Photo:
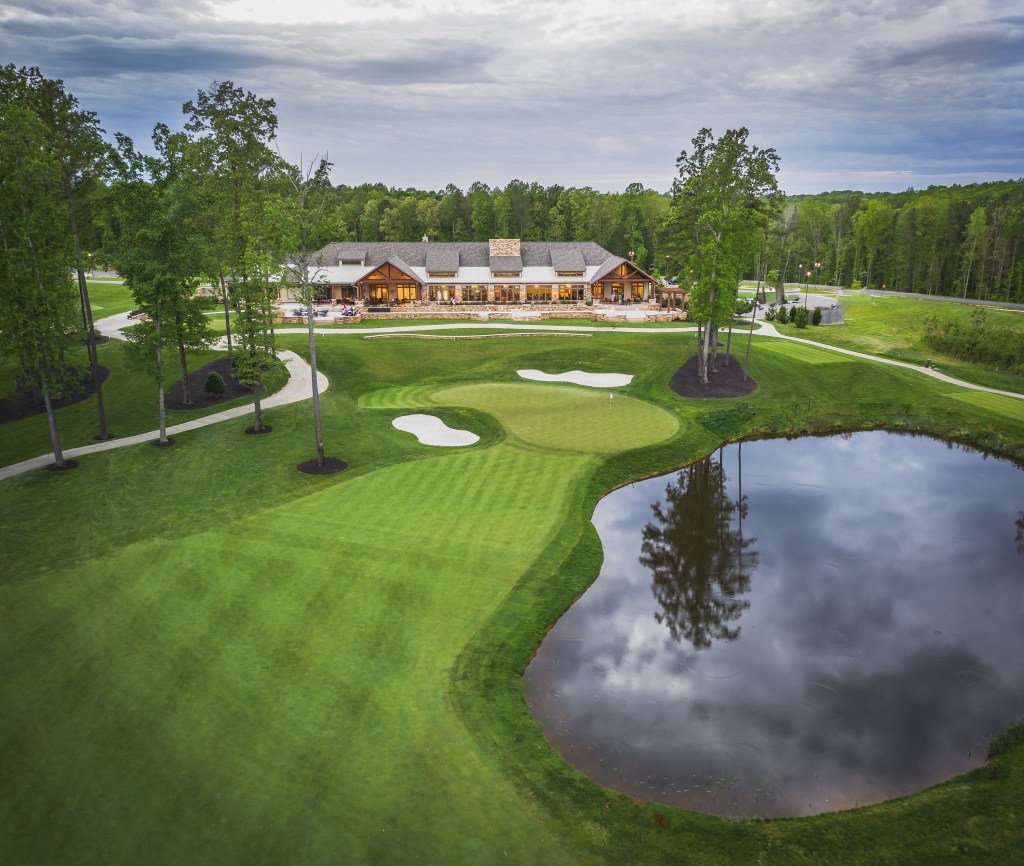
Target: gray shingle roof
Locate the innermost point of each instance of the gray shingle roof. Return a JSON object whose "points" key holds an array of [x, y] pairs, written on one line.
{"points": [[448, 256], [442, 258], [567, 260], [506, 264]]}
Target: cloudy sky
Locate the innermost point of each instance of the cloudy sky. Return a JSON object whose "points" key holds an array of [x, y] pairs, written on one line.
{"points": [[859, 94]]}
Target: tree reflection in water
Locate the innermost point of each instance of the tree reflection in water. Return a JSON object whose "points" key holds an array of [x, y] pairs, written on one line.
{"points": [[700, 561]]}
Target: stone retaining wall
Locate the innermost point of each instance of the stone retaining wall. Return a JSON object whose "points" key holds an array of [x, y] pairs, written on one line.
{"points": [[628, 313]]}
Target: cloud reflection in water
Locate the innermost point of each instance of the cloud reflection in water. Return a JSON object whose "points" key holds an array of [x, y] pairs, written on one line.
{"points": [[868, 645]]}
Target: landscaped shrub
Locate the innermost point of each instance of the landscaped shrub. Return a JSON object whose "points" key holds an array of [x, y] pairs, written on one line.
{"points": [[783, 316], [1007, 740], [800, 317], [771, 314], [816, 316], [214, 385], [977, 341]]}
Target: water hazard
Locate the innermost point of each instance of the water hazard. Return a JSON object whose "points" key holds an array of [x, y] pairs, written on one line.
{"points": [[794, 627]]}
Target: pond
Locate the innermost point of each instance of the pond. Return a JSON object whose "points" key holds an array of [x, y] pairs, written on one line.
{"points": [[791, 627]]}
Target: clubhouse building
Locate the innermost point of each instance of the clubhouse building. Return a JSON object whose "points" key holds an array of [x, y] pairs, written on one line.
{"points": [[497, 272]]}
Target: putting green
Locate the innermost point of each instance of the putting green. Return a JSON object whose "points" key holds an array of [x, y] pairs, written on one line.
{"points": [[566, 418]]}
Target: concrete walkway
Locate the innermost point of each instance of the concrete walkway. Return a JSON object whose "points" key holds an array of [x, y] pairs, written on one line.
{"points": [[300, 382], [767, 329], [298, 387]]}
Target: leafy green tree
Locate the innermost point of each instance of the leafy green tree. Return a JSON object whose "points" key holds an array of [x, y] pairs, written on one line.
{"points": [[37, 298], [722, 199], [482, 209], [236, 130], [298, 213], [73, 137], [158, 252], [871, 226], [974, 248], [840, 232]]}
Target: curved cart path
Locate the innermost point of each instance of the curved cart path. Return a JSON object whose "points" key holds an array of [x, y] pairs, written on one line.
{"points": [[298, 387], [300, 380]]}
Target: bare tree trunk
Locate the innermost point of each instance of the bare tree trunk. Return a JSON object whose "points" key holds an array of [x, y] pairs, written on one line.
{"points": [[750, 338], [162, 410], [90, 336], [257, 408], [51, 420], [700, 354], [318, 430], [186, 389], [161, 404], [711, 341], [224, 297], [705, 351]]}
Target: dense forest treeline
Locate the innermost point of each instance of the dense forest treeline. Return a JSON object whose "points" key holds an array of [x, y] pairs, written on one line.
{"points": [[959, 240]]}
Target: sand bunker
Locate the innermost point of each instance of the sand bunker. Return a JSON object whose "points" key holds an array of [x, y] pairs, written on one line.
{"points": [[578, 377], [431, 430]]}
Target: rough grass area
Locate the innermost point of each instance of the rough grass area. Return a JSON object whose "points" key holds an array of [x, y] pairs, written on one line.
{"points": [[209, 657], [894, 328]]}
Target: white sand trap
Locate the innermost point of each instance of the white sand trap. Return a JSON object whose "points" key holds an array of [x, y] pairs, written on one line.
{"points": [[431, 430], [578, 377]]}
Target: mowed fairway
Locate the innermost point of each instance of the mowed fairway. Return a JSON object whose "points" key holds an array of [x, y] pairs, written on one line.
{"points": [[209, 657], [274, 690]]}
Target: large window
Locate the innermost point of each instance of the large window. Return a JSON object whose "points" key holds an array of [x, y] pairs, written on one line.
{"points": [[637, 291], [570, 293], [406, 292], [442, 294], [378, 292], [474, 294], [538, 294], [505, 294]]}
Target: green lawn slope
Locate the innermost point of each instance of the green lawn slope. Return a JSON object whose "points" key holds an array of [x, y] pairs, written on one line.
{"points": [[209, 657]]}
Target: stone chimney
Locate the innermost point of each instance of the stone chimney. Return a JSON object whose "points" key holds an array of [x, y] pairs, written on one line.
{"points": [[503, 247]]}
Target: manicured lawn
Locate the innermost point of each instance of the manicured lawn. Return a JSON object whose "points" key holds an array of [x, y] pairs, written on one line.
{"points": [[108, 297], [894, 328], [206, 656], [129, 398]]}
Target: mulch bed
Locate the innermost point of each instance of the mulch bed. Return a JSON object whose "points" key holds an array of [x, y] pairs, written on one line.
{"points": [[724, 381], [196, 380], [331, 466], [21, 406]]}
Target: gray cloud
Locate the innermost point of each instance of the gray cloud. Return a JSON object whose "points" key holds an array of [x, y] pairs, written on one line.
{"points": [[863, 94]]}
